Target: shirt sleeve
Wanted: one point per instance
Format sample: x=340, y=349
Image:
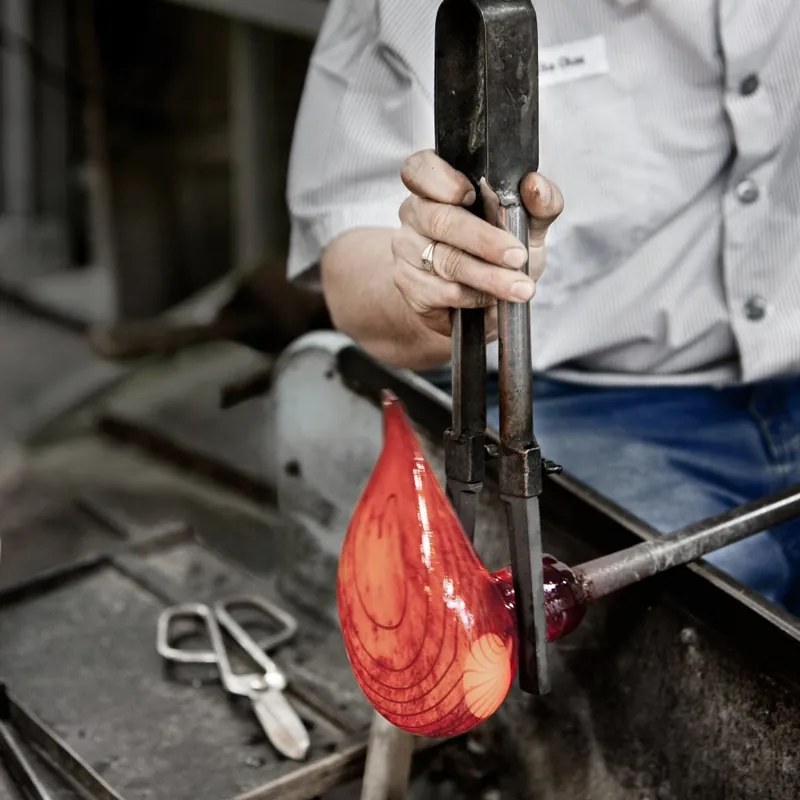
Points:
x=366, y=106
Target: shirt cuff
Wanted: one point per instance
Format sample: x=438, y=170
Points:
x=310, y=237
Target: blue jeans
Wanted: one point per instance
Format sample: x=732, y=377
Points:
x=673, y=456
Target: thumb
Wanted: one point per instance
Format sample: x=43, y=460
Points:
x=544, y=202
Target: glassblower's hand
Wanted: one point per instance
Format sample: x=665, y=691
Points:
x=473, y=264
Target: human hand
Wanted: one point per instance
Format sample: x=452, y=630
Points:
x=474, y=264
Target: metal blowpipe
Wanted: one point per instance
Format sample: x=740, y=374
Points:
x=608, y=574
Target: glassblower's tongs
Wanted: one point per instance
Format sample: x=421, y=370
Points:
x=487, y=104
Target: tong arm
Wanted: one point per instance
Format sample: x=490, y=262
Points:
x=486, y=102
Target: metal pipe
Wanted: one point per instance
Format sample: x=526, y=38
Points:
x=469, y=371
x=514, y=335
x=521, y=468
x=388, y=767
x=608, y=574
x=464, y=440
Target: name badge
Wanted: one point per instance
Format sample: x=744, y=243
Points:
x=573, y=61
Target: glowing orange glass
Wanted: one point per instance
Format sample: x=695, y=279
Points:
x=430, y=633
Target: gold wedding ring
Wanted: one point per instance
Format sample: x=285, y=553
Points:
x=426, y=263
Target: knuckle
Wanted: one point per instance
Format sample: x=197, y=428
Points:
x=463, y=297
x=410, y=168
x=480, y=299
x=488, y=242
x=400, y=283
x=441, y=221
x=494, y=283
x=395, y=244
x=454, y=296
x=413, y=170
x=452, y=263
x=405, y=211
x=439, y=321
x=417, y=305
x=404, y=277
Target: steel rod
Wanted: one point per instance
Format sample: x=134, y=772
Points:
x=514, y=331
x=464, y=441
x=520, y=472
x=469, y=371
x=610, y=573
x=388, y=766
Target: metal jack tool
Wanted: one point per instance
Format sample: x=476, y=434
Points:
x=486, y=98
x=487, y=127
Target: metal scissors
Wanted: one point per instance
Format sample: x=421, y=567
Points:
x=264, y=687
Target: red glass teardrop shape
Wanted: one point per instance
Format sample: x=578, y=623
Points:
x=430, y=633
x=427, y=629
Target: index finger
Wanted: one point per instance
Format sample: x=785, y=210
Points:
x=463, y=230
x=427, y=175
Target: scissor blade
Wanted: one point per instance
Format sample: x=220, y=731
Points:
x=281, y=723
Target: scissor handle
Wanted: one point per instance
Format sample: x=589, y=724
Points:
x=218, y=654
x=166, y=620
x=244, y=639
x=220, y=618
x=222, y=609
x=287, y=623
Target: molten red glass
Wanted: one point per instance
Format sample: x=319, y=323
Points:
x=430, y=633
x=564, y=604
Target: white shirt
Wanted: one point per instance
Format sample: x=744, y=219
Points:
x=677, y=258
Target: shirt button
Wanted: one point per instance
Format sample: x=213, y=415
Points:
x=749, y=85
x=747, y=191
x=755, y=309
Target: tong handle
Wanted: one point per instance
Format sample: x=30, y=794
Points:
x=486, y=110
x=486, y=101
x=487, y=90
x=456, y=33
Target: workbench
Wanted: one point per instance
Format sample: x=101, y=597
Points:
x=683, y=687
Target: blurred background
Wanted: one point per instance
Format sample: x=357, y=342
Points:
x=143, y=158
